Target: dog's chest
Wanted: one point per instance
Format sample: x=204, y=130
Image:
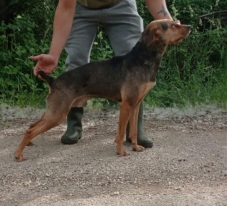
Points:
x=149, y=86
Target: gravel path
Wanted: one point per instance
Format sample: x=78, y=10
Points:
x=186, y=166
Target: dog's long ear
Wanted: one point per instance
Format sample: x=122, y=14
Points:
x=152, y=34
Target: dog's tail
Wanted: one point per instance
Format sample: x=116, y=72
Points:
x=42, y=75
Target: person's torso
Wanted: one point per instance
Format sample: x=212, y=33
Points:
x=97, y=4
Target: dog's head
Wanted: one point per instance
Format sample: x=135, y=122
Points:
x=166, y=31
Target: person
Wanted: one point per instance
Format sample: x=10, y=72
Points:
x=75, y=26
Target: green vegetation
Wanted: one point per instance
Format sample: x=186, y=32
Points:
x=193, y=72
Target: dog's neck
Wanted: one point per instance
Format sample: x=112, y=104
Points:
x=147, y=55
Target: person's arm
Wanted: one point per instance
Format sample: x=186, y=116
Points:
x=61, y=28
x=158, y=9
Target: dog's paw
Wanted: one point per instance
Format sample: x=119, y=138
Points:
x=138, y=148
x=18, y=156
x=29, y=144
x=123, y=153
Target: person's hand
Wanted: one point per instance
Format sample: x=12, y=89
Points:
x=46, y=63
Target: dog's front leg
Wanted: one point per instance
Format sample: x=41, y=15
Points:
x=134, y=129
x=125, y=112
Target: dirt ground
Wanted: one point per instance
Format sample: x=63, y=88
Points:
x=186, y=166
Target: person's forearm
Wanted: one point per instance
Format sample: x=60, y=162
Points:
x=158, y=9
x=62, y=26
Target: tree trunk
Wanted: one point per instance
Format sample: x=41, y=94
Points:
x=4, y=15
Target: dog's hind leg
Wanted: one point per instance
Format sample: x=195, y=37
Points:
x=125, y=112
x=49, y=120
x=134, y=129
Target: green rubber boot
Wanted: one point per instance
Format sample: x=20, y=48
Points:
x=74, y=126
x=142, y=139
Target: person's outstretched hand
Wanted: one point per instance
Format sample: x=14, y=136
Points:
x=45, y=62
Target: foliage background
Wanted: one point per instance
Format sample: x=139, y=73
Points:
x=192, y=73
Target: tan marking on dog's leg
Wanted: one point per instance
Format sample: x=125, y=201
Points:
x=42, y=125
x=144, y=89
x=133, y=129
x=31, y=126
x=125, y=113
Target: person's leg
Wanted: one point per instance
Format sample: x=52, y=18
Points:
x=124, y=27
x=79, y=43
x=78, y=48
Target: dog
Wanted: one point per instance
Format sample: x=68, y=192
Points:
x=125, y=79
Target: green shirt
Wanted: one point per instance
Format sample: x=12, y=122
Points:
x=97, y=4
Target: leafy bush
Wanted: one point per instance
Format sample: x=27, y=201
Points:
x=17, y=81
x=192, y=72
x=27, y=34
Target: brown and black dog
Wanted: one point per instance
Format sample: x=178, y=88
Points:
x=125, y=79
